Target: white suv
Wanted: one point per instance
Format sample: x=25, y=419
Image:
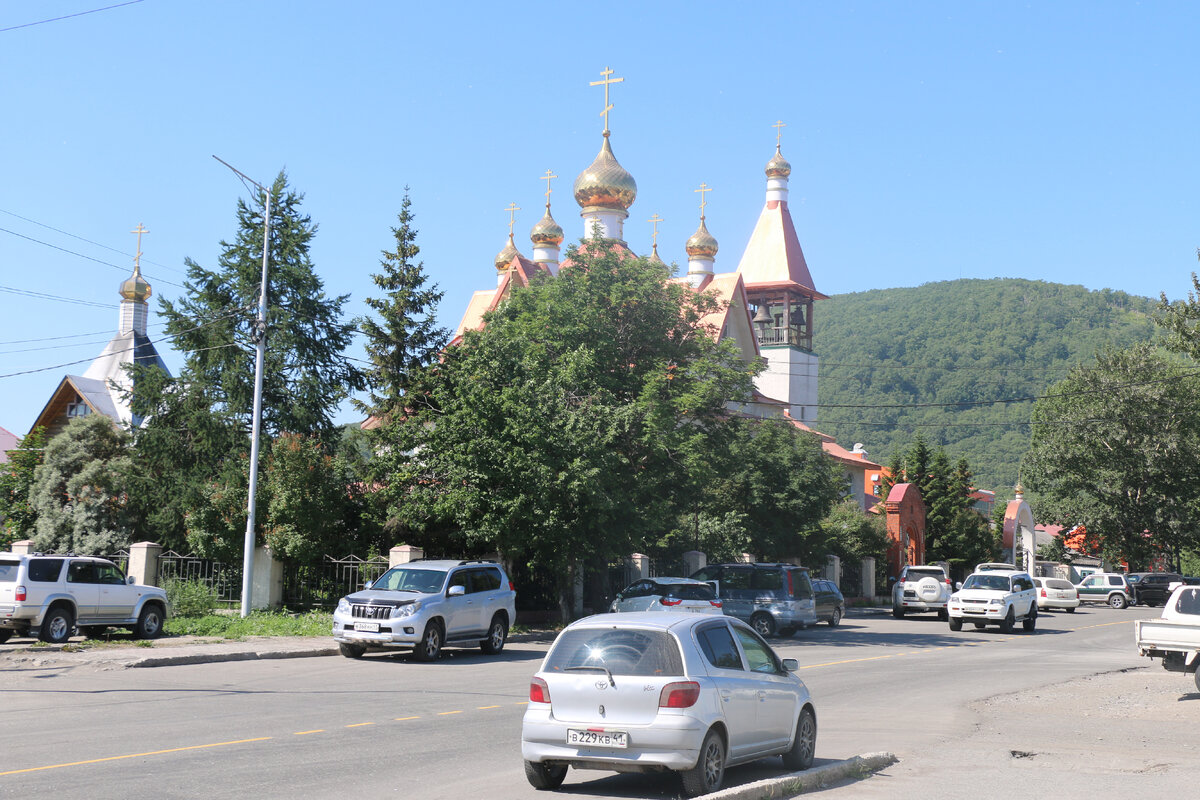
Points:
x=995, y=597
x=426, y=604
x=47, y=596
x=921, y=589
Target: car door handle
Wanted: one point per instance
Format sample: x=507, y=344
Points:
x=762, y=695
x=725, y=696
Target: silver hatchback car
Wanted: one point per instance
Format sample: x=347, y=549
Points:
x=664, y=691
x=668, y=594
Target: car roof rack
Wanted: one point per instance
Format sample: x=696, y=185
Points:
x=477, y=561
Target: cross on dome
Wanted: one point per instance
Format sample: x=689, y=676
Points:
x=512, y=210
x=547, y=177
x=703, y=188
x=608, y=80
x=139, y=230
x=654, y=236
x=778, y=126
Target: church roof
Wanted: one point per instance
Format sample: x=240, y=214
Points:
x=8, y=440
x=519, y=272
x=773, y=257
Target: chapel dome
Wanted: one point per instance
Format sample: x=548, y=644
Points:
x=135, y=287
x=778, y=166
x=701, y=243
x=505, y=256
x=546, y=232
x=605, y=184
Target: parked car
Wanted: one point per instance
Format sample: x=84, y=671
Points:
x=773, y=598
x=48, y=596
x=1175, y=637
x=831, y=605
x=1056, y=593
x=991, y=566
x=1152, y=588
x=995, y=597
x=921, y=589
x=1105, y=587
x=667, y=594
x=648, y=691
x=425, y=605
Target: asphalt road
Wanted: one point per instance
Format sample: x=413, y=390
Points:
x=952, y=706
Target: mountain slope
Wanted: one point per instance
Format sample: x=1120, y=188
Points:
x=897, y=361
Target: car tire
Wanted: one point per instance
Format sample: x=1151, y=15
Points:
x=351, y=650
x=94, y=631
x=955, y=624
x=545, y=776
x=979, y=625
x=150, y=622
x=786, y=632
x=5, y=635
x=764, y=624
x=804, y=745
x=57, y=626
x=1069, y=610
x=1117, y=601
x=1009, y=622
x=943, y=614
x=898, y=613
x=709, y=771
x=497, y=634
x=1196, y=679
x=835, y=618
x=430, y=646
x=1030, y=622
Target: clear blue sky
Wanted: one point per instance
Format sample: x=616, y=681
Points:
x=929, y=141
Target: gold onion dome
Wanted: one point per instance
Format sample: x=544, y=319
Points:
x=778, y=166
x=547, y=232
x=605, y=184
x=505, y=256
x=701, y=243
x=135, y=287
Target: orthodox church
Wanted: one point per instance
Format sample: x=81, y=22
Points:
x=101, y=388
x=766, y=302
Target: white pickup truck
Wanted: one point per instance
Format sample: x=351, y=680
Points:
x=1175, y=637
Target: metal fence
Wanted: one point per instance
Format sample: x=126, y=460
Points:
x=224, y=579
x=322, y=585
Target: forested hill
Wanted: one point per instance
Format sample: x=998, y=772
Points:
x=894, y=361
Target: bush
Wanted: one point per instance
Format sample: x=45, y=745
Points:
x=259, y=623
x=190, y=598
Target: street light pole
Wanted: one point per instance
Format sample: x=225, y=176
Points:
x=260, y=337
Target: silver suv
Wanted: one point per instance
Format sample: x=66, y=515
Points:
x=924, y=588
x=47, y=596
x=995, y=597
x=424, y=605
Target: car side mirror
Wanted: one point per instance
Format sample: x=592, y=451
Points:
x=457, y=591
x=958, y=585
x=368, y=584
x=129, y=580
x=791, y=664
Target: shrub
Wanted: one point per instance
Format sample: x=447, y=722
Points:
x=190, y=598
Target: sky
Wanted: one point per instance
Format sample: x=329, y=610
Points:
x=929, y=141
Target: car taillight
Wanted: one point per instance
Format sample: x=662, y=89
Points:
x=20, y=596
x=1043, y=592
x=667, y=601
x=539, y=692
x=715, y=603
x=681, y=694
x=791, y=589
x=511, y=588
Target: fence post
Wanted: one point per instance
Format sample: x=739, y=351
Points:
x=639, y=565
x=868, y=577
x=21, y=548
x=833, y=570
x=267, y=586
x=746, y=558
x=694, y=560
x=143, y=562
x=404, y=553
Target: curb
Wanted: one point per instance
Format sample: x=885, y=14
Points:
x=797, y=783
x=210, y=658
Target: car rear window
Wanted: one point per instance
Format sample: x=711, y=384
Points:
x=623, y=651
x=1188, y=602
x=691, y=591
x=918, y=574
x=8, y=571
x=1057, y=583
x=45, y=570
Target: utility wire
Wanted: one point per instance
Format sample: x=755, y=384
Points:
x=68, y=16
x=89, y=258
x=44, y=296
x=89, y=241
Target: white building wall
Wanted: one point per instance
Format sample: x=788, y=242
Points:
x=791, y=376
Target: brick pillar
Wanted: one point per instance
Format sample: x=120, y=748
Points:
x=267, y=581
x=638, y=566
x=694, y=560
x=21, y=548
x=833, y=570
x=404, y=553
x=143, y=562
x=868, y=577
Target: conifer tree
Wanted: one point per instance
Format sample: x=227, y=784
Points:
x=17, y=514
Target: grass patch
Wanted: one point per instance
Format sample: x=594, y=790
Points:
x=259, y=623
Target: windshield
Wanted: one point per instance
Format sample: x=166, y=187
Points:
x=622, y=652
x=690, y=591
x=997, y=583
x=410, y=579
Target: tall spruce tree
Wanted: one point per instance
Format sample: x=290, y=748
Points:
x=407, y=337
x=17, y=514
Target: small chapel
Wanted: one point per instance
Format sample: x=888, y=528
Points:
x=767, y=301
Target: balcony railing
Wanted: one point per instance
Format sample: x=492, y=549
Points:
x=789, y=336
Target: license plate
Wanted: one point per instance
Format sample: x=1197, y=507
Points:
x=369, y=627
x=615, y=739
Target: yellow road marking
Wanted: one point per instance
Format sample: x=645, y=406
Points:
x=444, y=713
x=135, y=755
x=402, y=719
x=522, y=703
x=305, y=733
x=485, y=708
x=360, y=724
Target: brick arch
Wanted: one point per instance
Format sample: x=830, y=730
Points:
x=905, y=526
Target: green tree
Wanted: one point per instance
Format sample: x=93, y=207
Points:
x=942, y=504
x=916, y=465
x=17, y=513
x=1114, y=447
x=891, y=476
x=564, y=430
x=853, y=535
x=407, y=337
x=79, y=490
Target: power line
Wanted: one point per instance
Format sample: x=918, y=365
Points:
x=88, y=241
x=59, y=298
x=89, y=258
x=68, y=16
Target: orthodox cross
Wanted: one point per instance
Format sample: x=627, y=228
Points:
x=512, y=210
x=549, y=174
x=139, y=230
x=778, y=126
x=703, y=188
x=655, y=219
x=607, y=73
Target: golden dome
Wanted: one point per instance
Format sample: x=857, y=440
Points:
x=778, y=167
x=546, y=232
x=135, y=287
x=701, y=243
x=605, y=184
x=505, y=256
x=654, y=256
